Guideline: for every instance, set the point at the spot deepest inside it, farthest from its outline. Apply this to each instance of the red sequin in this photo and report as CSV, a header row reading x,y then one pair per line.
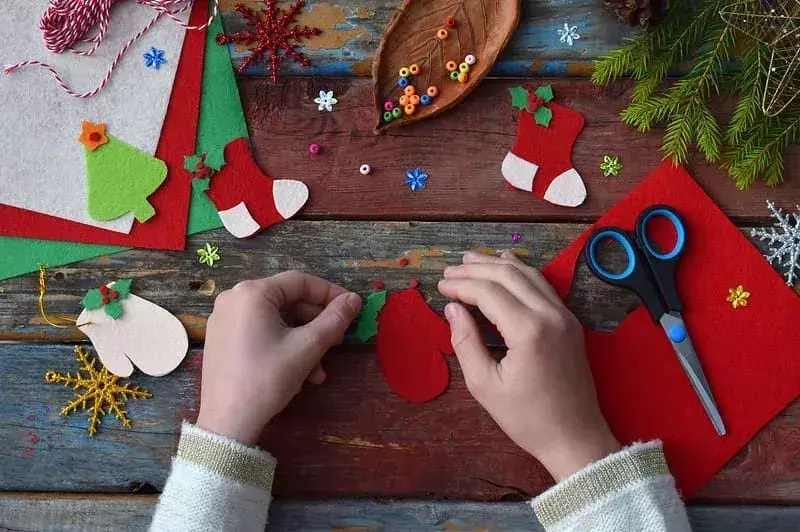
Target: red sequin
x,y
403,262
413,283
378,284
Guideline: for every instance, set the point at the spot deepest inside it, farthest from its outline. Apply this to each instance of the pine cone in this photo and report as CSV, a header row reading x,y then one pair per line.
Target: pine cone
x,y
641,12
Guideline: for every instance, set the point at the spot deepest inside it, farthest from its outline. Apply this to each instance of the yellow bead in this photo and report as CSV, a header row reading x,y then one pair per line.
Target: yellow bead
x,y
414,69
404,100
404,72
410,109
451,66
432,91
442,34
463,67
414,99
463,77
410,90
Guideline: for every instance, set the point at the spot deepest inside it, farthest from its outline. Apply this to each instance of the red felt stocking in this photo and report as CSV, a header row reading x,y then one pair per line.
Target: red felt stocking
x,y
541,159
411,340
246,199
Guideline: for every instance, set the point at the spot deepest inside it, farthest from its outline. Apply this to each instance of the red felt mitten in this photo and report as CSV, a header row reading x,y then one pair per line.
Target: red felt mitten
x,y
246,199
541,159
411,341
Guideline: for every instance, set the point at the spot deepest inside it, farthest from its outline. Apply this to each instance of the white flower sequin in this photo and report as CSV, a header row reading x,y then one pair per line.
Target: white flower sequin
x,y
326,101
568,34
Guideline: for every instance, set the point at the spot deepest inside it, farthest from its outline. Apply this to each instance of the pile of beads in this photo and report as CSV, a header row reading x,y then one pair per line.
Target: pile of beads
x,y
409,100
460,72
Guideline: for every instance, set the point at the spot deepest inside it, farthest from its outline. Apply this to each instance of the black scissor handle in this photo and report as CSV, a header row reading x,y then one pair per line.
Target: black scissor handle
x,y
663,264
634,277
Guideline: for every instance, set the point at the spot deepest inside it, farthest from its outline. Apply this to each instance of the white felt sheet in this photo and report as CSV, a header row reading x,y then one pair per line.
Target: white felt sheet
x,y
42,167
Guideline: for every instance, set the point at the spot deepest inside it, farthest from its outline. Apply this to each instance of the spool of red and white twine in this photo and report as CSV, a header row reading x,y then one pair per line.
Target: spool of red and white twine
x,y
66,24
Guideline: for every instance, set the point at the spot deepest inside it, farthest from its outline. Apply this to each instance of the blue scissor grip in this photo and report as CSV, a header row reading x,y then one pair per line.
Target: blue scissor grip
x,y
679,229
626,245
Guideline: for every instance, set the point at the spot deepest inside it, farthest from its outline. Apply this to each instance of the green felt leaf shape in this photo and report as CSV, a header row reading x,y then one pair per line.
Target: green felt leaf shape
x,y
367,321
123,287
93,299
113,309
543,115
519,97
545,92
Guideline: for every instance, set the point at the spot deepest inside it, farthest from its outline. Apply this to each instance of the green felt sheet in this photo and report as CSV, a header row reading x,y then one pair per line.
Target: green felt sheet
x,y
221,120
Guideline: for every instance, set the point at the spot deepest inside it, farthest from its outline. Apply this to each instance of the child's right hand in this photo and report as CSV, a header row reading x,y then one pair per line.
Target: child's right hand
x,y
541,393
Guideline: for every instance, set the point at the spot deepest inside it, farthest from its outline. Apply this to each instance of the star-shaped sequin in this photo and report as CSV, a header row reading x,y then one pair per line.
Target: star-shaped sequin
x,y
569,34
326,101
154,58
611,165
416,179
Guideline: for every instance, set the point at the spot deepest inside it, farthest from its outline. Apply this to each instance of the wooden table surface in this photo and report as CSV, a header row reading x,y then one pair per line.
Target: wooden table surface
x,y
352,438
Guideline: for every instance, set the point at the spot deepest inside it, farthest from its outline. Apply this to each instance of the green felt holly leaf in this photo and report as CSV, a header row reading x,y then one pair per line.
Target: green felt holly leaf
x,y
113,309
123,287
545,92
519,97
543,115
93,299
190,162
216,158
200,185
367,321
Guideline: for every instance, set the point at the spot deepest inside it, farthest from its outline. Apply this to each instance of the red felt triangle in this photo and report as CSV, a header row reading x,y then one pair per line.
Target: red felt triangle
x,y
411,341
167,229
749,355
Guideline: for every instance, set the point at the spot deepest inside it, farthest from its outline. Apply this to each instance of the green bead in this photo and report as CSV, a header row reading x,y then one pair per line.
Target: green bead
x,y
387,116
454,75
397,112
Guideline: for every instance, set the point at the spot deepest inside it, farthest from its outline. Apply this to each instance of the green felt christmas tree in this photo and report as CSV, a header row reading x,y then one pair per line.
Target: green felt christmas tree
x,y
119,176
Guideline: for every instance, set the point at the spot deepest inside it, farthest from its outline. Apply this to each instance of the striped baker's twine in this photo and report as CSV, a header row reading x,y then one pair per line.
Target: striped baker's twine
x,y
66,23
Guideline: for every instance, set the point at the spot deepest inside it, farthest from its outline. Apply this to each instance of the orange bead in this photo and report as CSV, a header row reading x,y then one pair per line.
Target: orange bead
x,y
442,34
463,77
451,66
432,91
404,100
414,99
410,90
410,109
414,69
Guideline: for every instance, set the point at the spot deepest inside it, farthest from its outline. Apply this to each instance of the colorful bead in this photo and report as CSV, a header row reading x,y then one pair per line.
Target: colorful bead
x,y
403,262
451,66
450,22
397,112
442,34
402,83
410,109
404,100
378,284
463,67
425,99
413,283
414,69
414,99
463,77
411,89
387,116
470,59
404,72
314,149
432,91
365,169
454,75
388,105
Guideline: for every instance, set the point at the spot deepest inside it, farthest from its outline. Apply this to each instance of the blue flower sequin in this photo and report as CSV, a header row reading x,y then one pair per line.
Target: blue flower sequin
x,y
416,179
154,58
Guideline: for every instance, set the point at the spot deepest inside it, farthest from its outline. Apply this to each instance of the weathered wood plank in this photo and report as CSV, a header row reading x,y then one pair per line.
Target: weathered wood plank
x,y
350,437
462,151
353,254
353,29
23,512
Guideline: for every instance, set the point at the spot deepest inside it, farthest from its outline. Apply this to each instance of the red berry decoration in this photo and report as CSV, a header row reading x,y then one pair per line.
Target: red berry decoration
x,y
114,294
403,262
413,283
106,300
378,284
104,289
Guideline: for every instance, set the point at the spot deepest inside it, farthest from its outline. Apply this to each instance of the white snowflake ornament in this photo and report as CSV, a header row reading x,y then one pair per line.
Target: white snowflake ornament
x,y
569,34
326,101
783,240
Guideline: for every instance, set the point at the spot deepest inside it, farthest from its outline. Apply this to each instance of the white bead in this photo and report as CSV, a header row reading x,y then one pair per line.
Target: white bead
x,y
365,169
470,60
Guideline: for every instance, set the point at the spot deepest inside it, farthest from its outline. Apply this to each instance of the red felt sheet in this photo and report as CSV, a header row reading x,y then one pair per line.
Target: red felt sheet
x,y
167,229
749,354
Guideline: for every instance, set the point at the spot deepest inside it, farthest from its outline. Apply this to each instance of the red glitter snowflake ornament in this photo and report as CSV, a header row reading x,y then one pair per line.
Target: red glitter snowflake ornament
x,y
272,32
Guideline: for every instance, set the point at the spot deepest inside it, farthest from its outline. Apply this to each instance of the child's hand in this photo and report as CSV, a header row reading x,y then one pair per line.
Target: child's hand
x,y
255,361
541,394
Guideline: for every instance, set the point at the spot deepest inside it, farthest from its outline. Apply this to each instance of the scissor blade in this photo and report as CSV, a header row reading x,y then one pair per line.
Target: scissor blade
x,y
691,365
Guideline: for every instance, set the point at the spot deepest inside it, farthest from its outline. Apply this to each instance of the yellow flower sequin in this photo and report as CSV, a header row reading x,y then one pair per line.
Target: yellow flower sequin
x,y
737,297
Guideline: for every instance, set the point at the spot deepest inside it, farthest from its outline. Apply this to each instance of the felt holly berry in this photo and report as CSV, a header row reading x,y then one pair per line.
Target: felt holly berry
x,y
119,176
108,298
541,159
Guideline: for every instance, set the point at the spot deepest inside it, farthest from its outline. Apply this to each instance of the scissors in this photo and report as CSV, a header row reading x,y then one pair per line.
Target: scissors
x,y
650,274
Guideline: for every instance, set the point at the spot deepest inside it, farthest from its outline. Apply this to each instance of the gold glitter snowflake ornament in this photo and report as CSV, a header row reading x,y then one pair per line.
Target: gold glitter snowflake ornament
x,y
101,390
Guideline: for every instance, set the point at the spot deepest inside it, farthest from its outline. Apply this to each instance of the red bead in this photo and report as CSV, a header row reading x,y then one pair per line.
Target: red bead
x,y
450,22
378,284
114,294
403,262
103,289
94,136
413,283
106,300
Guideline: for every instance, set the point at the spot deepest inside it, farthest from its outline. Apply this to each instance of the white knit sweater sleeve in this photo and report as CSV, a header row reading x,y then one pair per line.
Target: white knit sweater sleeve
x,y
216,484
628,491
